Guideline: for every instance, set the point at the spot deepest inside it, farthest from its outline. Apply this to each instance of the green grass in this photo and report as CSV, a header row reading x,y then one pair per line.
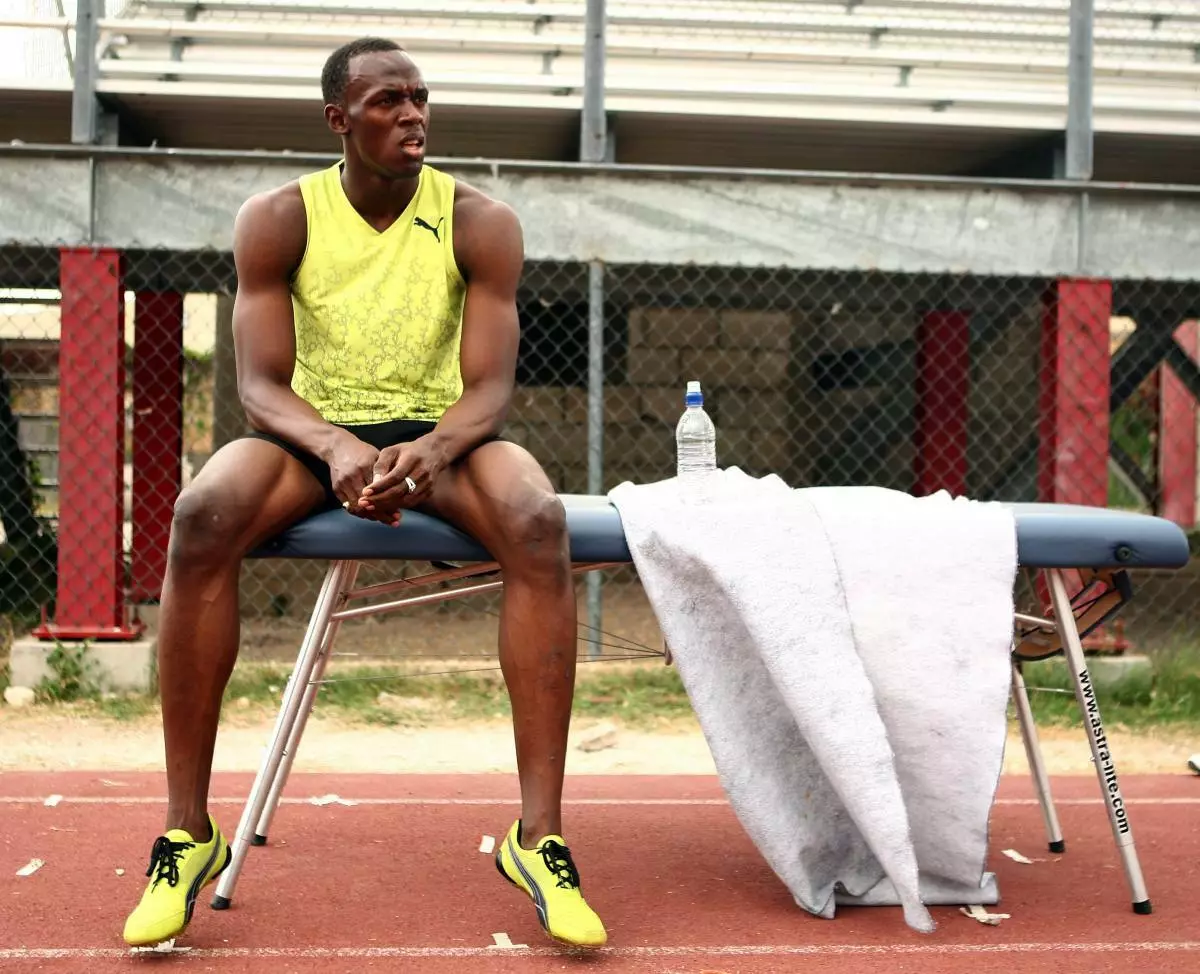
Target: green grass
x,y
127,707
640,694
1167,692
643,694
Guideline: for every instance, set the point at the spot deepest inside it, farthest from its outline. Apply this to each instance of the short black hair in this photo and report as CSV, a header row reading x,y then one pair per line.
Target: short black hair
x,y
336,72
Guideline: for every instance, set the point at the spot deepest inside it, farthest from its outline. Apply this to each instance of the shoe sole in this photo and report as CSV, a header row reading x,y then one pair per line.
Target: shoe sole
x,y
545,929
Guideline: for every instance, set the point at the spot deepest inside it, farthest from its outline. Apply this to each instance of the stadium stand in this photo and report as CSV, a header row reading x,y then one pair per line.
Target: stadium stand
x,y
857,84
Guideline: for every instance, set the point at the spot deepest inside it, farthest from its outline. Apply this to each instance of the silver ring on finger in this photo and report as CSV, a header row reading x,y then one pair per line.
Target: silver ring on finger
x,y
410,484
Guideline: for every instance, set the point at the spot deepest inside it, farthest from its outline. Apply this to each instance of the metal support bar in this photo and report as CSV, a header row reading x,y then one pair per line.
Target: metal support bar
x,y
428,578
1106,769
1030,620
301,720
432,598
454,593
85,110
1033,754
1079,90
337,580
593,147
595,427
593,121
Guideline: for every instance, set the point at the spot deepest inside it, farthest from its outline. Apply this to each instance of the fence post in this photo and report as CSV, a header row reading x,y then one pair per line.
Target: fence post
x,y
85,115
157,434
595,423
593,140
1073,394
1079,163
91,415
90,124
593,147
943,385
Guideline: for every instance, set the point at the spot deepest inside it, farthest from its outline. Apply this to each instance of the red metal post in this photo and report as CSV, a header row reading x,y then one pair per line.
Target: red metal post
x,y
157,434
91,441
1073,422
943,383
1177,437
1073,394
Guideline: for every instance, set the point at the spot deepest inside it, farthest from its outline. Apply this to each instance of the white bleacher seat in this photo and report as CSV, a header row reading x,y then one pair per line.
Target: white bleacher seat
x,y
998,61
959,87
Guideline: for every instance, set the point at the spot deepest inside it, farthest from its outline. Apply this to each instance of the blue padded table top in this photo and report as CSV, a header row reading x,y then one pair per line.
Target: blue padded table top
x,y
1048,536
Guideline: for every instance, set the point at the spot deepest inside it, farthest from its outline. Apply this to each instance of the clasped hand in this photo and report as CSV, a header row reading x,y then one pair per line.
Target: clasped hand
x,y
379,484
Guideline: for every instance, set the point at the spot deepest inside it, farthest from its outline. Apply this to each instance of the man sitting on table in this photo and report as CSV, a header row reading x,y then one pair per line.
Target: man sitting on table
x,y
376,333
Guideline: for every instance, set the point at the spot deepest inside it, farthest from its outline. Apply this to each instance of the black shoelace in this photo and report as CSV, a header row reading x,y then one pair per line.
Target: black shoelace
x,y
165,857
558,860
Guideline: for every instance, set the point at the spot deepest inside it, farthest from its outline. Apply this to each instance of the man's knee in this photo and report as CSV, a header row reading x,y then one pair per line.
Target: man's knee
x,y
536,532
205,525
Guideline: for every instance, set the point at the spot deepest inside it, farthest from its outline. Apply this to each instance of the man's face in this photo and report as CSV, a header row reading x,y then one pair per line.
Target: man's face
x,y
386,113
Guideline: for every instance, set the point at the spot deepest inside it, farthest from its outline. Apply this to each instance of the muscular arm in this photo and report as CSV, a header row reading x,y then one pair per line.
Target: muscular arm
x,y
268,242
490,252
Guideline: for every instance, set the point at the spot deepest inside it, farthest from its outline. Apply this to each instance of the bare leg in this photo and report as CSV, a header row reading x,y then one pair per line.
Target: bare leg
x,y
500,495
249,490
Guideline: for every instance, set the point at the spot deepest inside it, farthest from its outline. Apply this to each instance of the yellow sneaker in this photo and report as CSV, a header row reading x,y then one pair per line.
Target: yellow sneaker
x,y
550,878
179,868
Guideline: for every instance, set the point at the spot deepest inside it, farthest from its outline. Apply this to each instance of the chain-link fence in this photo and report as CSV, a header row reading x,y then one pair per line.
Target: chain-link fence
x,y
992,387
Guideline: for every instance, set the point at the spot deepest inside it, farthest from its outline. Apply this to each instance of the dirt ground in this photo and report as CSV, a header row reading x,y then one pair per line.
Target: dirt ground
x,y
45,740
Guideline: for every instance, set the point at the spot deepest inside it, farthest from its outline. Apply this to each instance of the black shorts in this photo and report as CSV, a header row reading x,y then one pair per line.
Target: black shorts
x,y
378,435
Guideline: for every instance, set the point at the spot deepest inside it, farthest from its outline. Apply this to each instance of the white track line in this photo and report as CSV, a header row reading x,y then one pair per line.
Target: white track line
x,y
161,800
722,950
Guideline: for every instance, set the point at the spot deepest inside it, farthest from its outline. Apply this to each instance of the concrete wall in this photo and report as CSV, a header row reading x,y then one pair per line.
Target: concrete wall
x,y
626,214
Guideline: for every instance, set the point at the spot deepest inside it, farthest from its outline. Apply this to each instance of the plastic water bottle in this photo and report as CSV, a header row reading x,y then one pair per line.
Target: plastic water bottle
x,y
695,436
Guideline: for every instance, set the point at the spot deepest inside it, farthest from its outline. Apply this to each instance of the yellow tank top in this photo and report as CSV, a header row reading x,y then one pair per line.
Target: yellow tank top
x,y
378,315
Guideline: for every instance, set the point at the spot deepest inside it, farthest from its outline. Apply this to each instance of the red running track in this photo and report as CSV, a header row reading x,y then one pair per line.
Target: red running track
x,y
396,882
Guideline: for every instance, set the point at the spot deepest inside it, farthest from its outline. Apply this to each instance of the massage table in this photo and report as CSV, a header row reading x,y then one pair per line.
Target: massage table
x,y
1083,555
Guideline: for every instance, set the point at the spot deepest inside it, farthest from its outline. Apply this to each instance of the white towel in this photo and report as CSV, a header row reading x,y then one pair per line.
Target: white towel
x,y
846,651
